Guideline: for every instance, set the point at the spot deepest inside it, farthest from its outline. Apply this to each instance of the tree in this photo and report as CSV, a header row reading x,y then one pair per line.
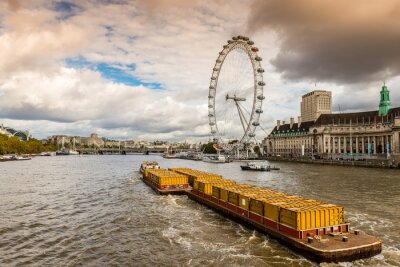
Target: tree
x,y
13,145
257,150
208,148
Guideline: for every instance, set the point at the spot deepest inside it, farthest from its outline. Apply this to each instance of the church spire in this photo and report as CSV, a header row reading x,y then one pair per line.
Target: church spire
x,y
384,104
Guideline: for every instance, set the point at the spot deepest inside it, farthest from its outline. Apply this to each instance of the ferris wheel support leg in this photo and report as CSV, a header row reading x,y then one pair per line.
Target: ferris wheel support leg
x,y
241,116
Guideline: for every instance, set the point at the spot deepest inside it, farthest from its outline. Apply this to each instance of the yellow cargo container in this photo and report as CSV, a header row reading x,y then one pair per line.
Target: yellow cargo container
x,y
207,186
215,191
165,177
224,193
244,199
256,206
233,198
311,217
272,210
281,198
195,174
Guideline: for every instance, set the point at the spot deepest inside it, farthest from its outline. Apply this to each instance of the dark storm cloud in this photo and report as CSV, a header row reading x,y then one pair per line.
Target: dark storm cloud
x,y
30,112
337,41
13,5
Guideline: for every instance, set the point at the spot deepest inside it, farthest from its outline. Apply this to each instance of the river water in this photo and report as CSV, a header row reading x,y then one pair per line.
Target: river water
x,y
95,211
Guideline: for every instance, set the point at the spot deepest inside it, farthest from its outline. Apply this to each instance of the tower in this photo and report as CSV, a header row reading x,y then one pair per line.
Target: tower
x,y
384,104
314,104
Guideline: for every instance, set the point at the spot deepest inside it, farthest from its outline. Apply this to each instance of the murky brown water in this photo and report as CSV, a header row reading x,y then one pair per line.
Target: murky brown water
x,y
94,210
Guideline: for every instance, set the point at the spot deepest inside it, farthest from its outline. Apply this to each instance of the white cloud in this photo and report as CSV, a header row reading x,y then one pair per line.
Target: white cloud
x,y
173,45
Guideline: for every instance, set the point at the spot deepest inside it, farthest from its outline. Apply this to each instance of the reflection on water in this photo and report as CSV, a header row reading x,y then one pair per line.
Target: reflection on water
x,y
94,210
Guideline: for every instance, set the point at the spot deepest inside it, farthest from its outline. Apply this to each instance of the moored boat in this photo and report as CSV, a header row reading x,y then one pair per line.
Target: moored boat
x,y
8,158
24,157
215,159
66,152
255,167
48,154
169,156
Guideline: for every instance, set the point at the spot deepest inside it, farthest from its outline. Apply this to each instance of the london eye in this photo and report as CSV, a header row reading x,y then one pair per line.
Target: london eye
x,y
236,93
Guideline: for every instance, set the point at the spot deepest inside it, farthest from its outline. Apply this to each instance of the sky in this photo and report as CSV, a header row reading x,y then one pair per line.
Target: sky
x,y
141,69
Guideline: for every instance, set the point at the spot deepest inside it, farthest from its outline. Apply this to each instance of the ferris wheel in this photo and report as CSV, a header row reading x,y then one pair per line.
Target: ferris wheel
x,y
236,93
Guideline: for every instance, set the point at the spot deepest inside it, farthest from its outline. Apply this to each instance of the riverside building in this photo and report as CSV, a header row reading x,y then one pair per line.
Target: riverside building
x,y
319,133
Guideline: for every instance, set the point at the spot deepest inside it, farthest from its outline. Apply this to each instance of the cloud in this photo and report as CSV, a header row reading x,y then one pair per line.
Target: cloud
x,y
142,69
13,5
34,40
336,41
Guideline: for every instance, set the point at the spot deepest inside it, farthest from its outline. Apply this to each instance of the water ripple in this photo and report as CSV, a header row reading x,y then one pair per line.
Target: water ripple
x,y
94,210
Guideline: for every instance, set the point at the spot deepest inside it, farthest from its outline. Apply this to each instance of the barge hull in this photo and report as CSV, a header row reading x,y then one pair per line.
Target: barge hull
x,y
177,191
333,250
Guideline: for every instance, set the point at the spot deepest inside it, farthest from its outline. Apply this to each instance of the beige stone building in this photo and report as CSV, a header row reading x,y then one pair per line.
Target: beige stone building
x,y
314,104
373,134
60,140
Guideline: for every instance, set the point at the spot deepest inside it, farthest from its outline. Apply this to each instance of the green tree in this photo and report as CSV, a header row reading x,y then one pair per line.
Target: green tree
x,y
13,145
257,150
209,149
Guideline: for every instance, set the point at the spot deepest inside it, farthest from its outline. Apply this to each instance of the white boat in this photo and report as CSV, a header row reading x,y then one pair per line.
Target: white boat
x,y
73,152
24,157
65,152
48,154
215,159
169,156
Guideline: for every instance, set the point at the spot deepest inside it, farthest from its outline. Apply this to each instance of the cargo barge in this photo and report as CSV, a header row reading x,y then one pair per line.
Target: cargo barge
x,y
165,182
311,228
331,247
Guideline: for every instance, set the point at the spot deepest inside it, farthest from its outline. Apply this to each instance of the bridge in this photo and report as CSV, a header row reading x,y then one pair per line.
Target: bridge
x,y
125,151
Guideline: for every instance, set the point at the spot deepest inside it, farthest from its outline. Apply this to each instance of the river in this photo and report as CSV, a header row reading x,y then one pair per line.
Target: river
x,y
95,211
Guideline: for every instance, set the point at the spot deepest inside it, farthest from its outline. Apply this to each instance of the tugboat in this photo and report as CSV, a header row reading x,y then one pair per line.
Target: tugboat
x,y
254,167
148,165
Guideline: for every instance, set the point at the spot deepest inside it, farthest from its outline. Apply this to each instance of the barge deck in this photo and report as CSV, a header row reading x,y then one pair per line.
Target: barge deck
x,y
330,248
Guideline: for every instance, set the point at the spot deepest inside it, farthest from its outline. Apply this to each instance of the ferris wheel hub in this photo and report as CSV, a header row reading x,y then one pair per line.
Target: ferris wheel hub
x,y
235,98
